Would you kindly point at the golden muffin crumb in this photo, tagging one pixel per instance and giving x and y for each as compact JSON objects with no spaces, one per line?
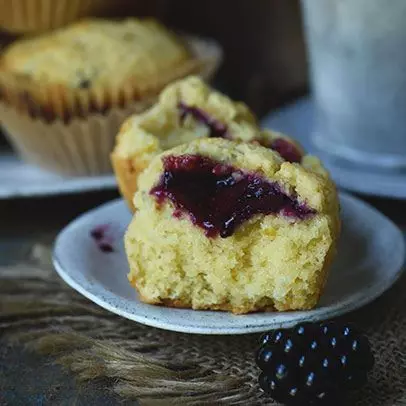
{"x":270,"y":261}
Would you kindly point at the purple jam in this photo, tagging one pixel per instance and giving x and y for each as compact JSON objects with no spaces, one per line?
{"x":106,"y":247}
{"x":219,"y":198}
{"x":98,"y":232}
{"x":102,"y":236}
{"x":286,"y":150}
{"x":217,"y":129}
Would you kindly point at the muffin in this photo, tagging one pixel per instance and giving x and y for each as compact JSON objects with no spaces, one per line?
{"x":95,"y":67}
{"x":225,"y":225}
{"x":28,"y":16}
{"x":186,"y":110}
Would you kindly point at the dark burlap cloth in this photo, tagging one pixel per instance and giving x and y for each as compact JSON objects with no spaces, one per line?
{"x":164,"y":368}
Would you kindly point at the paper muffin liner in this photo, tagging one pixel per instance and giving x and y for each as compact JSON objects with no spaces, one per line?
{"x":29,"y":16}
{"x":74,"y":134}
{"x":81,"y":147}
{"x":59,"y":102}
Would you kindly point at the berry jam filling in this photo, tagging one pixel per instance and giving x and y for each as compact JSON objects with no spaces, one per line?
{"x":218,"y":197}
{"x":286,"y":149}
{"x":217,"y":129}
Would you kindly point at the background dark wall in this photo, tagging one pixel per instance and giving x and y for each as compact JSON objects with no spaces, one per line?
{"x":265,"y":60}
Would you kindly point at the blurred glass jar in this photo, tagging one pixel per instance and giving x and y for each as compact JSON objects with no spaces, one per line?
{"x":357,"y":52}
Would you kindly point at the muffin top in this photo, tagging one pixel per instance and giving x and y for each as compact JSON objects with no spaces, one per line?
{"x":97,"y":53}
{"x":188,"y":109}
{"x":167,"y":124}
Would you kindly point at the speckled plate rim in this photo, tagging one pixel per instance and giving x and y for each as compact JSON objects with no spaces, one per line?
{"x":204,"y":322}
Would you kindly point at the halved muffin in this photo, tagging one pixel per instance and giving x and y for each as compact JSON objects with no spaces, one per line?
{"x":225,"y":225}
{"x":187,"y":109}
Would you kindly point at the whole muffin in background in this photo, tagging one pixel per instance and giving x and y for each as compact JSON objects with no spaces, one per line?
{"x":98,"y":71}
{"x":225,"y":225}
{"x":186,"y":110}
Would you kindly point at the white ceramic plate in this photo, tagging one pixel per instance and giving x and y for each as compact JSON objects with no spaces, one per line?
{"x":18,"y":179}
{"x":298,"y":119}
{"x":370,"y":258}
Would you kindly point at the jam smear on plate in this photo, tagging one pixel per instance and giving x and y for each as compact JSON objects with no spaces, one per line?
{"x":101,"y":235}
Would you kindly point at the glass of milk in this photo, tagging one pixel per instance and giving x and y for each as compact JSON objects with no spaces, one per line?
{"x":357,"y":54}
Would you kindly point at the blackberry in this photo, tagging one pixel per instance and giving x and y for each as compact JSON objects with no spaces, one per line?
{"x":313,"y":363}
